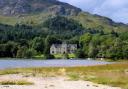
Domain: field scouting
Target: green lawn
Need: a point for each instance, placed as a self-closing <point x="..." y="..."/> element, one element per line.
<point x="72" y="56"/>
<point x="57" y="56"/>
<point x="41" y="56"/>
<point x="60" y="56"/>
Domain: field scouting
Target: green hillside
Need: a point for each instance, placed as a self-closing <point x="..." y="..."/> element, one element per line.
<point x="35" y="12"/>
<point x="100" y="23"/>
<point x="29" y="27"/>
<point x="87" y="20"/>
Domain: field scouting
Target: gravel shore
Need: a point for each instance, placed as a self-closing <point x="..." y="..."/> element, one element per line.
<point x="51" y="83"/>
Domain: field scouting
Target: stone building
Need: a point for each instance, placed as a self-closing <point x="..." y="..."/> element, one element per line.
<point x="63" y="48"/>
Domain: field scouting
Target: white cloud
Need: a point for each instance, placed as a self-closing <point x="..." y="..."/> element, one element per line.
<point x="115" y="9"/>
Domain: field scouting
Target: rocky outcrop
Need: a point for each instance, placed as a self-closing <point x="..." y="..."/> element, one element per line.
<point x="18" y="7"/>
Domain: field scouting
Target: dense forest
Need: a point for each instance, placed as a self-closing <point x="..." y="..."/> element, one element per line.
<point x="27" y="41"/>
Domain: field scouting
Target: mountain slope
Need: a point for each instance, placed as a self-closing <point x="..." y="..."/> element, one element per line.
<point x="19" y="7"/>
<point x="35" y="12"/>
<point x="100" y="23"/>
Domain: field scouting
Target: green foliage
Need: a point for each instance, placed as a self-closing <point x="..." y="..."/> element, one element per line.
<point x="24" y="52"/>
<point x="85" y="38"/>
<point x="104" y="46"/>
<point x="47" y="45"/>
<point x="30" y="53"/>
<point x="9" y="49"/>
<point x="21" y="53"/>
<point x="80" y="54"/>
<point x="49" y="40"/>
<point x="92" y="51"/>
<point x="25" y="41"/>
<point x="49" y="56"/>
<point x="62" y="25"/>
<point x="66" y="56"/>
<point x="38" y="44"/>
<point x="17" y="32"/>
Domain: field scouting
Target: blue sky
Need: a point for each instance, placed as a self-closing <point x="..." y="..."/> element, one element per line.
<point x="114" y="9"/>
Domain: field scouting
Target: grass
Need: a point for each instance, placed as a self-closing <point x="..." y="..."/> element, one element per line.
<point x="113" y="74"/>
<point x="41" y="56"/>
<point x="74" y="76"/>
<point x="72" y="56"/>
<point x="26" y="19"/>
<point x="97" y="22"/>
<point x="16" y="82"/>
<point x="57" y="56"/>
<point x="60" y="56"/>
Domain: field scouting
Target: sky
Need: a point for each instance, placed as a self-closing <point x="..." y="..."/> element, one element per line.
<point x="117" y="10"/>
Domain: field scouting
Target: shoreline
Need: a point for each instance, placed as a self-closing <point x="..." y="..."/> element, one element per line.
<point x="52" y="82"/>
<point x="110" y="75"/>
<point x="97" y="59"/>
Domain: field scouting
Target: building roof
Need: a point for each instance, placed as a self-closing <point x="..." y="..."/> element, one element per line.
<point x="60" y="45"/>
<point x="56" y="45"/>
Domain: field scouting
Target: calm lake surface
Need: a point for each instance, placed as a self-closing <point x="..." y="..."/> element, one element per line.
<point x="21" y="63"/>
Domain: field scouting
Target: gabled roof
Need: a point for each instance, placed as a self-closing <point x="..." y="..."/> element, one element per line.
<point x="57" y="45"/>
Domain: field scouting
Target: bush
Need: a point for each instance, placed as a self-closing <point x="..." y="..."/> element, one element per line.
<point x="66" y="56"/>
<point x="24" y="52"/>
<point x="30" y="53"/>
<point x="49" y="56"/>
<point x="80" y="54"/>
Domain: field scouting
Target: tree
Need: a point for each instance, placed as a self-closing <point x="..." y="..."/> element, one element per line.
<point x="62" y="25"/>
<point x="47" y="45"/>
<point x="125" y="52"/>
<point x="38" y="44"/>
<point x="85" y="39"/>
<point x="49" y="56"/>
<point x="49" y="41"/>
<point x="30" y="53"/>
<point x="66" y="56"/>
<point x="9" y="49"/>
<point x="13" y="48"/>
<point x="80" y="54"/>
<point x="21" y="52"/>
<point x="92" y="52"/>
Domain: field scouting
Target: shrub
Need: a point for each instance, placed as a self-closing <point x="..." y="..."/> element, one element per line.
<point x="49" y="56"/>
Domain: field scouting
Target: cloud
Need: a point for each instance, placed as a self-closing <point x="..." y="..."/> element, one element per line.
<point x="86" y="5"/>
<point x="114" y="9"/>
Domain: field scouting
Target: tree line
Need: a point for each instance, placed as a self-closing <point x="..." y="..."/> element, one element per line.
<point x="27" y="41"/>
<point x="104" y="46"/>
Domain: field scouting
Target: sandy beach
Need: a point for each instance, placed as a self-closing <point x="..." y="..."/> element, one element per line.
<point x="50" y="83"/>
